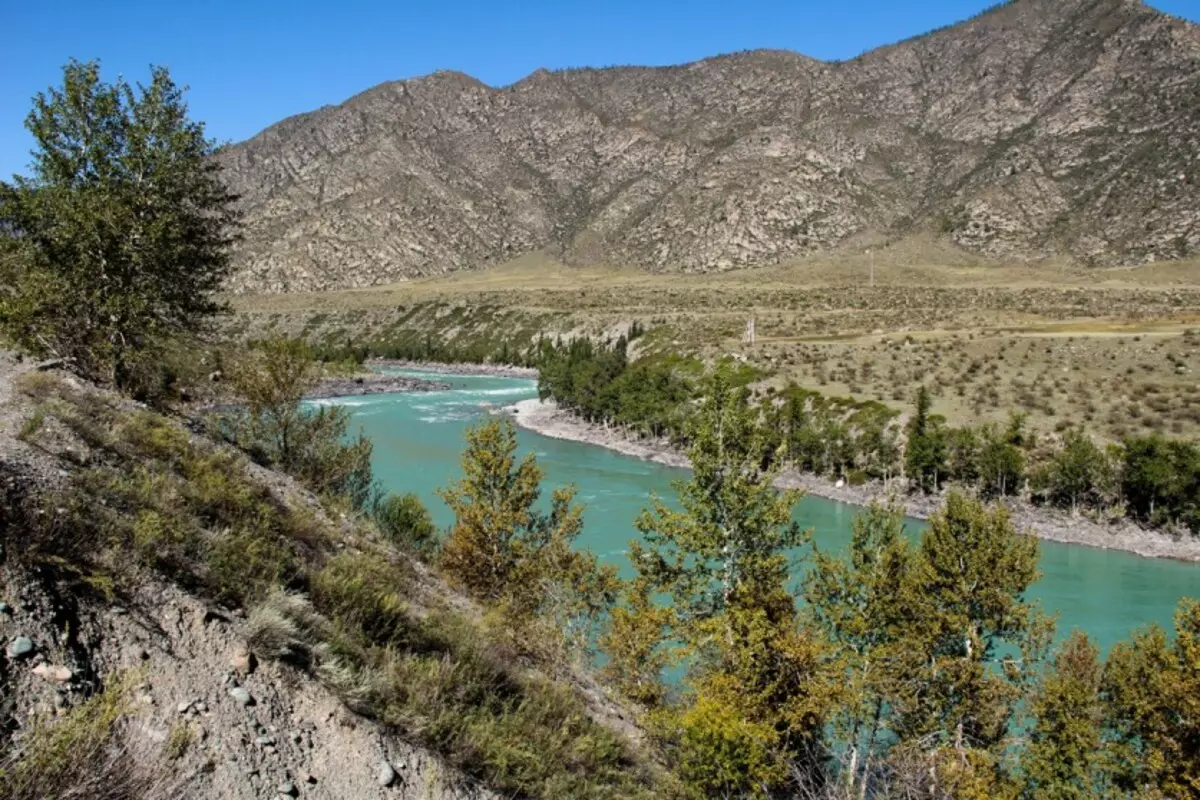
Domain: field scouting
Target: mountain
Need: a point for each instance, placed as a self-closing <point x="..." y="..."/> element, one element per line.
<point x="1039" y="128"/>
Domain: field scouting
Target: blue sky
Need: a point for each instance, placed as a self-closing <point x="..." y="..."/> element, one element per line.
<point x="250" y="63"/>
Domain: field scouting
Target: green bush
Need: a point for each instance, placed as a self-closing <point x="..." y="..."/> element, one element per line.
<point x="406" y="523"/>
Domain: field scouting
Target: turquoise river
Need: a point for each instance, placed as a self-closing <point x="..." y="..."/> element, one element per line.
<point x="418" y="439"/>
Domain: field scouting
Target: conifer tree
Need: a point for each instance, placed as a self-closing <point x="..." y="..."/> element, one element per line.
<point x="1064" y="759"/>
<point x="761" y="689"/>
<point x="862" y="603"/>
<point x="974" y="641"/>
<point x="925" y="454"/>
<point x="507" y="553"/>
<point x="1151" y="690"/>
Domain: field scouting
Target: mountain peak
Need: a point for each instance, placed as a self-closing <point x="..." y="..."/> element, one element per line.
<point x="1039" y="128"/>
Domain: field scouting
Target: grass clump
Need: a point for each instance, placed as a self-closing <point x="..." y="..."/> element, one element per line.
<point x="83" y="754"/>
<point x="448" y="683"/>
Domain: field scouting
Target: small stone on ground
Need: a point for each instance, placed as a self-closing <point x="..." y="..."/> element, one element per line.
<point x="20" y="647"/>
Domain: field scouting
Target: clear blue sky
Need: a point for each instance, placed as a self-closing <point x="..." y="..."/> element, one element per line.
<point x="252" y="63"/>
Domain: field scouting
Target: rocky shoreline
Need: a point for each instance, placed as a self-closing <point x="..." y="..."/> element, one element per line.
<point x="1051" y="525"/>
<point x="497" y="370"/>
<point x="359" y="385"/>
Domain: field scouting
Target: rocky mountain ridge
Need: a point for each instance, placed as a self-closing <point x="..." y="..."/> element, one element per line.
<point x="1039" y="128"/>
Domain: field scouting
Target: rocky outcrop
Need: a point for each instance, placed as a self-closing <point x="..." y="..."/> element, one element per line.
<point x="1041" y="127"/>
<point x="208" y="720"/>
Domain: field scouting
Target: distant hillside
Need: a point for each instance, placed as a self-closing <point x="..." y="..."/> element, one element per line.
<point x="1042" y="127"/>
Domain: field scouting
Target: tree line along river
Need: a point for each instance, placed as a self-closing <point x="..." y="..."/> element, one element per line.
<point x="418" y="439"/>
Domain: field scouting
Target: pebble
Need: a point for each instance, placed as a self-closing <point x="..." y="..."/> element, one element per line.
<point x="54" y="673"/>
<point x="5" y="608"/>
<point x="184" y="707"/>
<point x="386" y="775"/>
<point x="287" y="789"/>
<point x="263" y="741"/>
<point x="241" y="696"/>
<point x="20" y="647"/>
<point x="243" y="661"/>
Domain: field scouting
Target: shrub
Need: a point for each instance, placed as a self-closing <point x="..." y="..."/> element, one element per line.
<point x="277" y="430"/>
<point x="361" y="592"/>
<point x="406" y="523"/>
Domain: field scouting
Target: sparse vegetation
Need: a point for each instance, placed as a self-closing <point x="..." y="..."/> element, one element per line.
<point x="83" y="755"/>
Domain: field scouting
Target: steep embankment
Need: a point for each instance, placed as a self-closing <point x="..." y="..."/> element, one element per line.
<point x="148" y="650"/>
<point x="1041" y="127"/>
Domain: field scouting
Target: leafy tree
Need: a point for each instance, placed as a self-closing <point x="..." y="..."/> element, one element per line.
<point x="1161" y="479"/>
<point x="1001" y="460"/>
<point x="974" y="641"/>
<point x="1077" y="473"/>
<point x="962" y="455"/>
<point x="273" y="425"/>
<point x="734" y="528"/>
<point x="862" y="604"/>
<point x="761" y="685"/>
<point x="506" y="552"/>
<point x="1064" y="759"/>
<point x="1151" y="690"/>
<point x="636" y="645"/>
<point x="120" y="235"/>
<point x="925" y="454"/>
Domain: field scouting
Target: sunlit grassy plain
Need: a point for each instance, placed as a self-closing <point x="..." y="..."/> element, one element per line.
<point x="1117" y="349"/>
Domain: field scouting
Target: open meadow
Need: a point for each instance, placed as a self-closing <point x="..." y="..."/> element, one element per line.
<point x="1117" y="350"/>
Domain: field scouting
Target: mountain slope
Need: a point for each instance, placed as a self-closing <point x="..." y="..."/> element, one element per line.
<point x="1041" y="127"/>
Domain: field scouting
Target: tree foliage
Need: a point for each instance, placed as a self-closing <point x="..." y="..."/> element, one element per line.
<point x="506" y="552"/>
<point x="862" y="603"/>
<point x="1151" y="692"/>
<point x="405" y="521"/>
<point x="120" y="235"/>
<point x="273" y="425"/>
<point x="925" y="455"/>
<point x="1064" y="759"/>
<point x="761" y="692"/>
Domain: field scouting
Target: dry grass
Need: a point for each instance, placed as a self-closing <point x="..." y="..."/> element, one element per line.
<point x="1109" y="348"/>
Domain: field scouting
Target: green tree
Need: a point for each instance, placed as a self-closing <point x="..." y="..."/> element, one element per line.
<point x="925" y="453"/>
<point x="507" y="553"/>
<point x="975" y="641"/>
<point x="276" y="429"/>
<point x="1001" y="459"/>
<point x="1161" y="479"/>
<point x="1064" y="759"/>
<point x="636" y="645"/>
<point x="734" y="528"/>
<point x="761" y="691"/>
<point x="1079" y="471"/>
<point x="1151" y="690"/>
<point x="862" y="603"/>
<point x="120" y="236"/>
<point x="962" y="455"/>
<point x="405" y="521"/>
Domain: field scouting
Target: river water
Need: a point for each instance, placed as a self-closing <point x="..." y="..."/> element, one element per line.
<point x="419" y="438"/>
